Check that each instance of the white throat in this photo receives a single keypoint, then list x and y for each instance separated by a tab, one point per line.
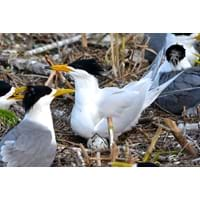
86	88
41	114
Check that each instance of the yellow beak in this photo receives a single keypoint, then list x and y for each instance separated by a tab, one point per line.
17	94
20	90
62	91
64	68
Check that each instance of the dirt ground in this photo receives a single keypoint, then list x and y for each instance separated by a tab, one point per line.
132	145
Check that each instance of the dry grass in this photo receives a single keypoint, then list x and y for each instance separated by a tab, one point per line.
124	60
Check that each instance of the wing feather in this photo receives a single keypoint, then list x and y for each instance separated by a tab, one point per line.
24	145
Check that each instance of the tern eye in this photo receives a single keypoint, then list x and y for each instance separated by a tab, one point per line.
32	90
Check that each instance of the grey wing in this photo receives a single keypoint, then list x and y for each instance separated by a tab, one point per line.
25	144
183	91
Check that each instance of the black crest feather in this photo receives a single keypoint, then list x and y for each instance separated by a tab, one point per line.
4	88
33	94
175	53
186	34
89	65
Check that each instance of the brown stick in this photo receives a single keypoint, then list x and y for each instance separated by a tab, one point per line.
98	155
114	67
57	75
53	73
50	78
85	154
84	40
152	145
145	134
114	152
101	158
179	137
53	45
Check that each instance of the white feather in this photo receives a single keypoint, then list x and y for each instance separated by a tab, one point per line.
125	105
5	103
40	113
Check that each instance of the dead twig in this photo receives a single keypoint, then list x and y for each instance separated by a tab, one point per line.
179	137
152	145
53	73
79	155
114	152
114	67
84	40
85	154
53	45
145	134
101	158
29	65
162	126
98	155
57	75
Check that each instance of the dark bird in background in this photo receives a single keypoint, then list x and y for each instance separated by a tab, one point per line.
185	90
175	53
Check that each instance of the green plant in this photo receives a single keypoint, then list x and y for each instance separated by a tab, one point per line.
8	117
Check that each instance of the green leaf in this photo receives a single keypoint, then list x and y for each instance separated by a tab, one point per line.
8	117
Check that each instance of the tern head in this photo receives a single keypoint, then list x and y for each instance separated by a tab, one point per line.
89	65
175	53
42	96
186	34
81	68
9	94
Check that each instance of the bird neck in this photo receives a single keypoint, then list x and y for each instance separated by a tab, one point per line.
166	67
5	103
85	89
41	115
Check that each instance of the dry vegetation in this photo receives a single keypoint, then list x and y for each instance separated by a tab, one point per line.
156	138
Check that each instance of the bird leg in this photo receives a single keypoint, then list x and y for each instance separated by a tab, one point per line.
110	130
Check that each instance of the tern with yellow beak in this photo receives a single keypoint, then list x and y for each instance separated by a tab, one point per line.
94	107
9	95
32	142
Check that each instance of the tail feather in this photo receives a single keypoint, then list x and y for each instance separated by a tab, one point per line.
153	94
152	74
155	66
